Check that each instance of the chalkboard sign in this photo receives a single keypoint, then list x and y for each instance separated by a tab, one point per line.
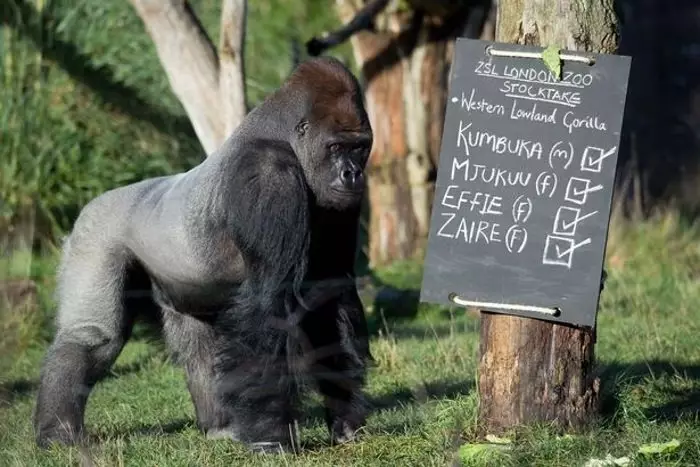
525	179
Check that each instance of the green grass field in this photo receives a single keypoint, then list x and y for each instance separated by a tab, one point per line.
423	387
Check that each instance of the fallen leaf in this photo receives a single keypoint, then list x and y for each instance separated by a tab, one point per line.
608	461
497	440
659	448
481	451
551	59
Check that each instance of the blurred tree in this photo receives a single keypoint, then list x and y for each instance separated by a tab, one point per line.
209	83
404	50
532	370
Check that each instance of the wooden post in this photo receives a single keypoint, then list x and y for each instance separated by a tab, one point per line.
532	370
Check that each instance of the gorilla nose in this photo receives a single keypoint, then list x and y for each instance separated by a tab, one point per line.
351	177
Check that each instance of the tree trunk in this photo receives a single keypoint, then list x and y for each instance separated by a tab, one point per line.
532	370
405	63
210	86
231	60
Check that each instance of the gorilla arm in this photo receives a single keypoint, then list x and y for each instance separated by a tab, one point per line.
269	221
269	216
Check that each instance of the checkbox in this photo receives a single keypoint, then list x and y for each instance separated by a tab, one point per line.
559	251
578	189
593	158
566	221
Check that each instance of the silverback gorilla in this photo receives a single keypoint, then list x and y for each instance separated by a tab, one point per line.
249	258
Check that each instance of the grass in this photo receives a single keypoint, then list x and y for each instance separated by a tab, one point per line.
423	387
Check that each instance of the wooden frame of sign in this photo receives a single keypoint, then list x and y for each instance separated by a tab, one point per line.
525	181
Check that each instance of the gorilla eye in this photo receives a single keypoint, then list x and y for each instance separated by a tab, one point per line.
335	147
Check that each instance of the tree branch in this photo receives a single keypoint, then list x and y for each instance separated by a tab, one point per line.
190	62
362	20
231	62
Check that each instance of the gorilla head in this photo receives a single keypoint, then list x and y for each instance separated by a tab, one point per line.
332	138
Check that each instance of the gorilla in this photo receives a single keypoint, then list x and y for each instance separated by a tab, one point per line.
249	262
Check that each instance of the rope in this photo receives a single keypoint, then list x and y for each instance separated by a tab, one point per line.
514	53
553	311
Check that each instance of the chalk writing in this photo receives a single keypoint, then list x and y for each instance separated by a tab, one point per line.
494	176
590	122
532	114
498	144
524	183
592	160
483	203
567	219
469	231
561	153
472	104
522	208
559	251
578	189
533	75
516	239
540	94
546	184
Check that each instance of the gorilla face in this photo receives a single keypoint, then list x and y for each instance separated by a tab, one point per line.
348	157
334	163
332	136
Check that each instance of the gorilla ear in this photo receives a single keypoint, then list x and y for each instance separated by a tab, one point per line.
302	127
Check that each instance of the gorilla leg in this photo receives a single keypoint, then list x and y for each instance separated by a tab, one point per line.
260	399
191	340
239	392
256	384
92	328
337	335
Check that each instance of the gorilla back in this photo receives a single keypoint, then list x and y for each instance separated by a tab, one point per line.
250	259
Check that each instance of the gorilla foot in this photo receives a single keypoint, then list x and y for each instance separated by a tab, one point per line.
268	447
343	431
62	435
258	447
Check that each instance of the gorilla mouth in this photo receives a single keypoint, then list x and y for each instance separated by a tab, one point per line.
349	192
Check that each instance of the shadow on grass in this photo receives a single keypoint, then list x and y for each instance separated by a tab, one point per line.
157	429
429	330
11	391
314	414
394	310
441	389
396	398
681	404
684	404
399	397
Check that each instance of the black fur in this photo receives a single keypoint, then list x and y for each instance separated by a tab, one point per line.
250	260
